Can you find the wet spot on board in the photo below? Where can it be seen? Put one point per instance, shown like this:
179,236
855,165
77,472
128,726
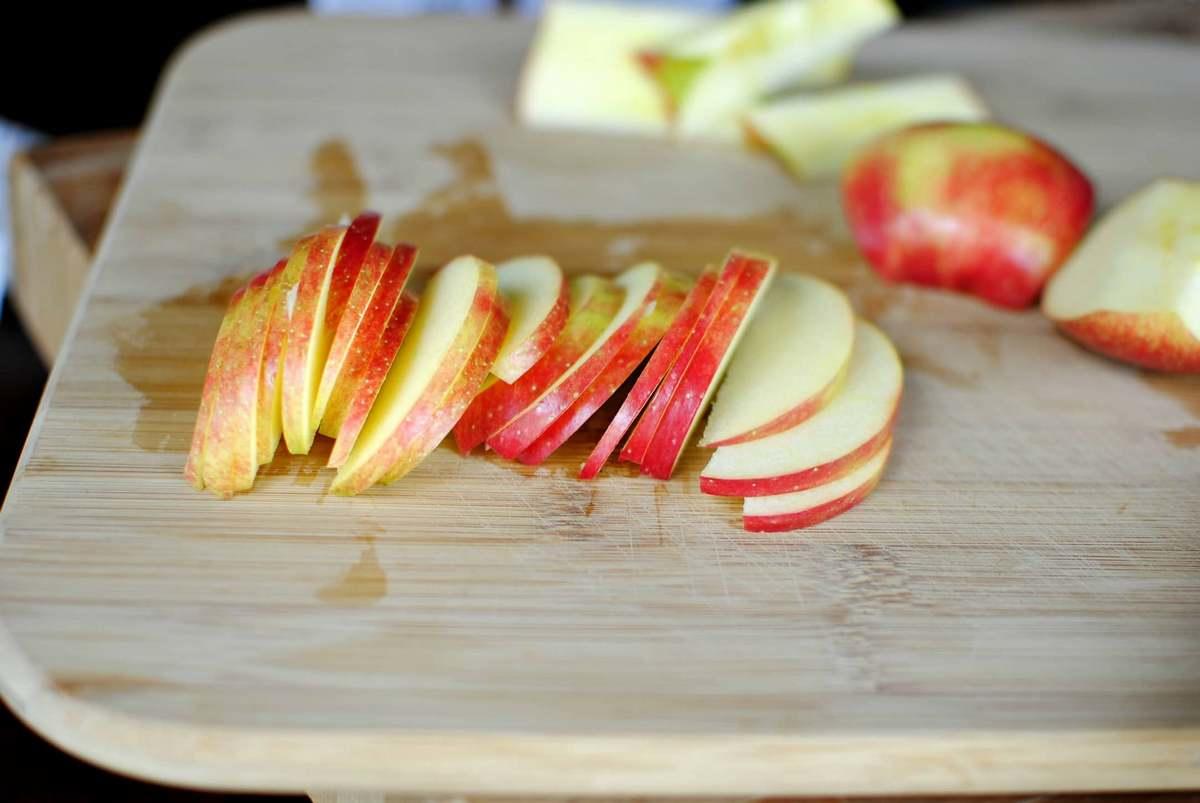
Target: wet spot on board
946,375
363,583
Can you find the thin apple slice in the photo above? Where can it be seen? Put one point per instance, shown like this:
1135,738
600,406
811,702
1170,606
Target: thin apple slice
1132,289
707,366
371,306
457,304
640,286
794,511
373,370
835,441
665,354
593,303
789,364
649,331
537,300
270,382
193,470
639,440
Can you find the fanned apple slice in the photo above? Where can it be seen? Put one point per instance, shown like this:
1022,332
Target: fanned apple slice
370,308
794,511
371,370
649,331
270,382
593,303
838,439
707,365
652,375
789,363
457,304
639,440
537,300
193,470
640,286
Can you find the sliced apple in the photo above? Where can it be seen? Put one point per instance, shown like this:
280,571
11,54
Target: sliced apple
789,363
650,330
1131,290
457,304
537,300
714,73
373,370
640,286
794,511
269,428
581,73
707,365
846,433
817,134
652,374
371,306
193,469
593,303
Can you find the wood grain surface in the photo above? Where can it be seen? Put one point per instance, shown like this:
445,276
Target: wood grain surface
1014,609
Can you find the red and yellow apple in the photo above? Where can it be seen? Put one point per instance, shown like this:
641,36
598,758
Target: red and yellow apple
537,301
971,207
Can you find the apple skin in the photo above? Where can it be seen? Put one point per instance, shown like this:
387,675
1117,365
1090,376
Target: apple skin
193,470
1158,341
971,207
783,522
270,382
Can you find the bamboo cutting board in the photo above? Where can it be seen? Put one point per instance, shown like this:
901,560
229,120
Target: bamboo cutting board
1015,608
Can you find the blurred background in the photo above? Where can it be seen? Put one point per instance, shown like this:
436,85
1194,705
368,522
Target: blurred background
73,98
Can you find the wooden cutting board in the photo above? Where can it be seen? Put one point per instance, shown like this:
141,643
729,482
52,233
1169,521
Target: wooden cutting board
1015,608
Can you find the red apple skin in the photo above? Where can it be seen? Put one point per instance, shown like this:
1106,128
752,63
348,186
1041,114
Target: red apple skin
360,234
801,480
1000,215
193,470
648,332
636,447
532,350
652,375
783,522
501,402
1158,341
269,381
374,369
372,304
670,439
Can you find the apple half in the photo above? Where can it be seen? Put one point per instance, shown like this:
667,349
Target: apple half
458,303
660,362
1131,290
593,303
789,364
817,134
706,363
795,511
537,301
649,331
847,432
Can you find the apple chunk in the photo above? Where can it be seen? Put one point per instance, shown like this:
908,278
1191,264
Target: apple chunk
789,364
794,511
816,134
536,299
1132,289
593,303
847,432
457,304
707,364
639,286
652,374
646,335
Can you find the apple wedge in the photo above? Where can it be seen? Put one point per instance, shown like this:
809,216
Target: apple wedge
707,365
269,428
370,308
795,511
593,303
374,368
1131,290
652,374
789,363
649,331
817,134
193,469
536,299
711,75
846,433
640,287
457,305
581,73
